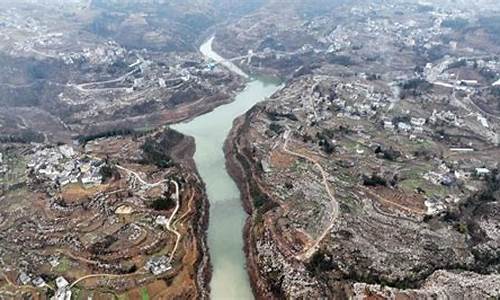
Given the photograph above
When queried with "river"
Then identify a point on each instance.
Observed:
(225, 233)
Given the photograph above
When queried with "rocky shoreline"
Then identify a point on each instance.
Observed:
(203, 265)
(242, 179)
(184, 153)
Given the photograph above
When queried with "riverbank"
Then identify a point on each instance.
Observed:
(190, 276)
(184, 153)
(240, 171)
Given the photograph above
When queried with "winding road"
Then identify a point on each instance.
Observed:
(169, 225)
(82, 87)
(335, 206)
(143, 182)
(206, 50)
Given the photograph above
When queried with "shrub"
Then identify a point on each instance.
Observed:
(374, 180)
(462, 228)
(153, 153)
(162, 203)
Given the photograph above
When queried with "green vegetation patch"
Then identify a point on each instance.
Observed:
(351, 145)
(144, 294)
(299, 164)
(16, 170)
(430, 189)
(76, 293)
(351, 203)
(415, 172)
(411, 184)
(63, 265)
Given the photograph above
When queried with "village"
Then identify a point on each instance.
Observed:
(100, 83)
(347, 145)
(122, 219)
(385, 125)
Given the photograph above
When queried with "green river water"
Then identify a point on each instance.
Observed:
(225, 232)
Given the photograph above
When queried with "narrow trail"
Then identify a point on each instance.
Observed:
(335, 206)
(399, 206)
(113, 276)
(188, 211)
(169, 225)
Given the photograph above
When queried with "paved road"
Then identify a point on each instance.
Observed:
(206, 50)
(82, 87)
(169, 222)
(149, 185)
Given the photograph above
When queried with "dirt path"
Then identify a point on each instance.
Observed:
(169, 225)
(335, 206)
(105, 275)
